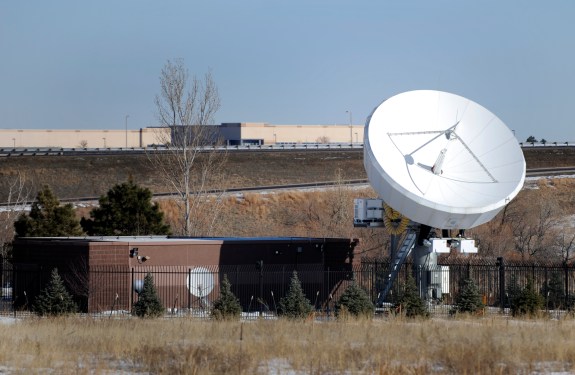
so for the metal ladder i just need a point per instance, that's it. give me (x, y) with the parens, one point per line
(408, 243)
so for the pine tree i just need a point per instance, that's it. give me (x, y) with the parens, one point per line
(54, 300)
(355, 301)
(126, 210)
(529, 302)
(513, 290)
(227, 306)
(409, 302)
(295, 305)
(47, 218)
(149, 304)
(469, 298)
(554, 289)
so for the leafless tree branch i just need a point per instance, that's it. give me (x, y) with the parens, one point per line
(191, 166)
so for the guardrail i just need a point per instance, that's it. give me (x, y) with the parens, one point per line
(51, 151)
(55, 151)
(534, 172)
(546, 144)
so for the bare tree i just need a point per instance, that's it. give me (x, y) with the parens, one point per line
(191, 165)
(17, 195)
(565, 245)
(534, 225)
(322, 139)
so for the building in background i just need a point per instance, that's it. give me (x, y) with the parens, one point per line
(245, 133)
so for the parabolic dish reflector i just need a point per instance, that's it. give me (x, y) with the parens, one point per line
(200, 282)
(442, 160)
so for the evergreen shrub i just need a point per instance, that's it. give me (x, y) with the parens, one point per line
(469, 299)
(54, 300)
(528, 303)
(227, 306)
(148, 304)
(355, 302)
(408, 301)
(295, 305)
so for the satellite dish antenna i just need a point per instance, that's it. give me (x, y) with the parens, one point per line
(138, 286)
(200, 282)
(441, 160)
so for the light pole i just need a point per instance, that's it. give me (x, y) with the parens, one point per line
(104, 142)
(275, 139)
(350, 128)
(356, 137)
(127, 130)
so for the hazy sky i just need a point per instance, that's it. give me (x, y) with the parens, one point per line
(86, 65)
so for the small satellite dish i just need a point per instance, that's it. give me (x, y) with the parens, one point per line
(200, 282)
(138, 286)
(442, 160)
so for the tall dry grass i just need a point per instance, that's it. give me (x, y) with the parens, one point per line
(380, 346)
(329, 213)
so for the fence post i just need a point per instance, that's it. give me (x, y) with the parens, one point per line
(374, 282)
(260, 267)
(501, 282)
(189, 291)
(545, 288)
(132, 291)
(13, 297)
(566, 271)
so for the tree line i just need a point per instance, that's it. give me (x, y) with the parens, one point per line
(127, 209)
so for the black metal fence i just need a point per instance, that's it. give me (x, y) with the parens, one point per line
(192, 290)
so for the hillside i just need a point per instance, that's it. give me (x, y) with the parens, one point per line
(92, 175)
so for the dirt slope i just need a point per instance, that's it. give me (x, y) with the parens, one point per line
(91, 176)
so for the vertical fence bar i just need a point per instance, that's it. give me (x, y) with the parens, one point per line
(501, 283)
(106, 281)
(566, 282)
(13, 297)
(132, 291)
(189, 286)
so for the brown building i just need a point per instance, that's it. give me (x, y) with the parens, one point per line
(103, 272)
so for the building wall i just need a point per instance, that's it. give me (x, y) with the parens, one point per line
(272, 134)
(101, 273)
(112, 138)
(61, 138)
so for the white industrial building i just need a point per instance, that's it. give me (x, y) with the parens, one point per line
(230, 133)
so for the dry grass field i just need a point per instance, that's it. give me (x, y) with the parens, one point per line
(381, 346)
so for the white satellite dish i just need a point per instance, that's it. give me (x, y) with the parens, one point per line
(200, 282)
(138, 286)
(442, 160)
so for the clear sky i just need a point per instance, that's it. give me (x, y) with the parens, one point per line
(70, 64)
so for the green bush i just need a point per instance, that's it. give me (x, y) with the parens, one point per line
(54, 300)
(295, 305)
(126, 210)
(554, 289)
(513, 290)
(227, 306)
(47, 218)
(409, 303)
(149, 304)
(355, 301)
(469, 299)
(528, 303)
